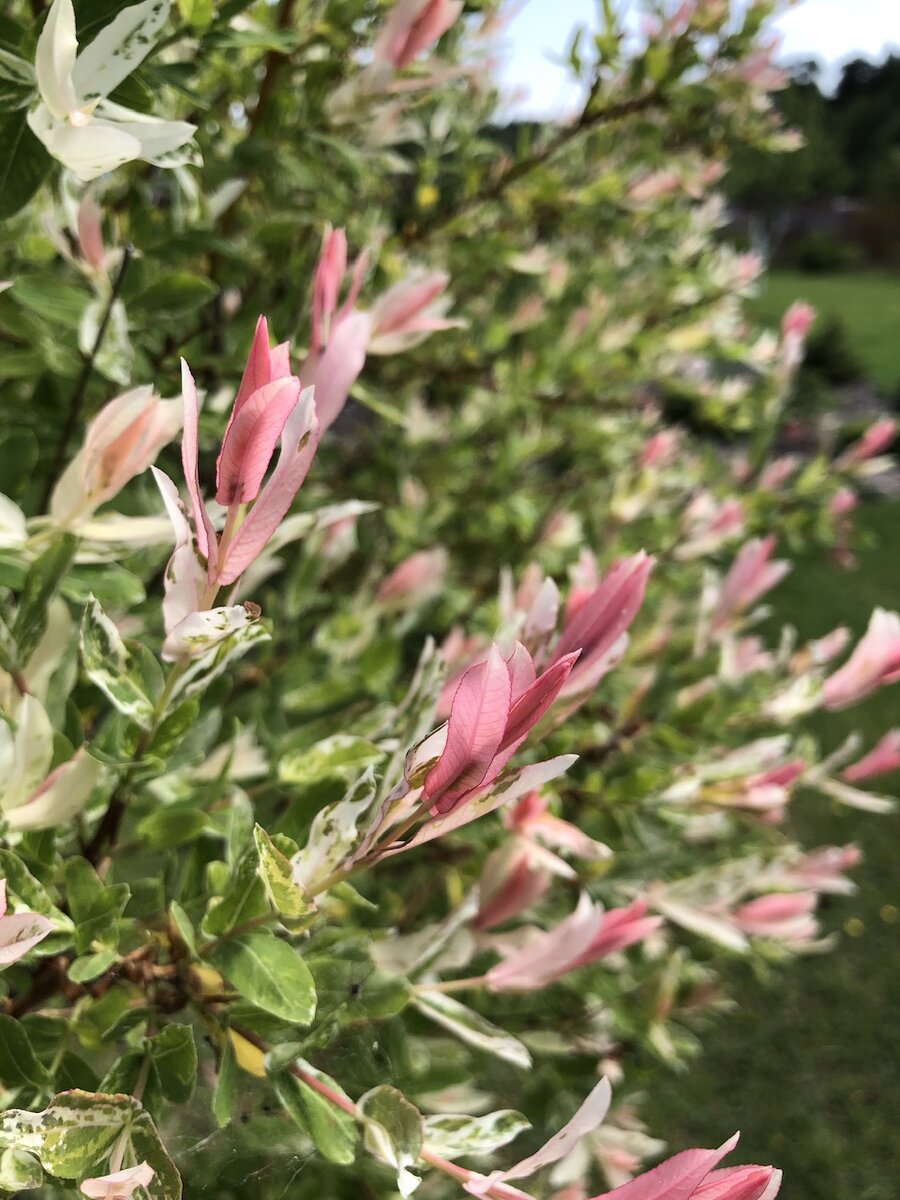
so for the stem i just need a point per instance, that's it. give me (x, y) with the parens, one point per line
(244, 927)
(108, 830)
(76, 404)
(454, 985)
(274, 59)
(45, 984)
(427, 1155)
(272, 65)
(144, 1075)
(518, 170)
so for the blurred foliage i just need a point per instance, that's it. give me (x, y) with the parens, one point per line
(605, 391)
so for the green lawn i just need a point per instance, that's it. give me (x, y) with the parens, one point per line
(808, 1063)
(868, 303)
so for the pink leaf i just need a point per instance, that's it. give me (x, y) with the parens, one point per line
(588, 1117)
(299, 440)
(675, 1179)
(249, 442)
(741, 1183)
(509, 787)
(475, 728)
(19, 933)
(604, 616)
(335, 369)
(535, 700)
(552, 954)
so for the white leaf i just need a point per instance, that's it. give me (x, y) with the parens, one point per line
(118, 49)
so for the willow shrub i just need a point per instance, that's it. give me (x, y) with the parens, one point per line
(485, 537)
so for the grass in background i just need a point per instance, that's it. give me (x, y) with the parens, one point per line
(867, 302)
(808, 1063)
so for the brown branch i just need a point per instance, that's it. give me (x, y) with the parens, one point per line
(520, 169)
(273, 63)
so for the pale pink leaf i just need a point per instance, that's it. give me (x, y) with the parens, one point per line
(505, 790)
(334, 370)
(190, 449)
(19, 933)
(552, 954)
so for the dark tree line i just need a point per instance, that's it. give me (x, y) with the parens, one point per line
(852, 139)
(835, 201)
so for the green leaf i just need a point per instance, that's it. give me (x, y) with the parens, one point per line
(227, 1084)
(168, 827)
(270, 974)
(19, 1066)
(58, 303)
(243, 898)
(17, 81)
(354, 989)
(75, 1133)
(453, 1136)
(108, 664)
(24, 163)
(73, 1136)
(257, 37)
(174, 1055)
(333, 1132)
(110, 584)
(333, 833)
(174, 294)
(393, 1132)
(146, 1146)
(196, 13)
(90, 966)
(123, 1075)
(472, 1028)
(19, 1171)
(95, 908)
(40, 586)
(183, 927)
(23, 884)
(19, 452)
(289, 899)
(340, 755)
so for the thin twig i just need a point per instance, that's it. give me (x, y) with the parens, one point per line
(76, 404)
(524, 166)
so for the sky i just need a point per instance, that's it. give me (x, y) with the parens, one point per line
(829, 30)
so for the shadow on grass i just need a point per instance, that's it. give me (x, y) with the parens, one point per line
(808, 1063)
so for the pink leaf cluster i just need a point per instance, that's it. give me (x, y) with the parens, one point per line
(270, 408)
(497, 703)
(588, 934)
(342, 336)
(691, 1175)
(874, 662)
(752, 574)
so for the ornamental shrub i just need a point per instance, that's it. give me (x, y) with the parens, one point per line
(390, 759)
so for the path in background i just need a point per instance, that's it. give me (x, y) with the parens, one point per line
(808, 1064)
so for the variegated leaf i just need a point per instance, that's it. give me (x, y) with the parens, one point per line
(74, 1134)
(289, 899)
(109, 665)
(472, 1028)
(453, 1136)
